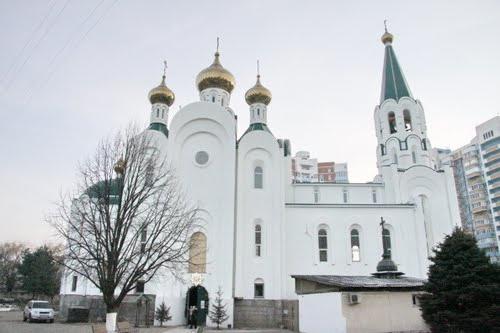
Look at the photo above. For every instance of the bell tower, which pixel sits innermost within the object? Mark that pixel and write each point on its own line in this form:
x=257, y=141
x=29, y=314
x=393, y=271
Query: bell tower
x=399, y=118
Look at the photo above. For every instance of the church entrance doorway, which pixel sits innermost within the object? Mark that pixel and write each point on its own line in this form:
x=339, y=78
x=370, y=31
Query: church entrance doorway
x=197, y=296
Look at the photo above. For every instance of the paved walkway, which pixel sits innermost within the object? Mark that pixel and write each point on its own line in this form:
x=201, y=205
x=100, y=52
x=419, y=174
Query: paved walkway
x=12, y=322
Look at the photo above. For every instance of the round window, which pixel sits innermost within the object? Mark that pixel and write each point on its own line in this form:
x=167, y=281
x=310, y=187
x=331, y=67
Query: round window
x=201, y=157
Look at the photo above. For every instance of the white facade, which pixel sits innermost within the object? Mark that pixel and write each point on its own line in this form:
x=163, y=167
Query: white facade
x=243, y=185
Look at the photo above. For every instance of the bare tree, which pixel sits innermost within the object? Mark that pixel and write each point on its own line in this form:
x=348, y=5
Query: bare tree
x=10, y=259
x=129, y=221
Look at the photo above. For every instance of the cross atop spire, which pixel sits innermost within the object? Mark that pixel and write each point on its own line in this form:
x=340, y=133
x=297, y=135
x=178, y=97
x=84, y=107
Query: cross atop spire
x=217, y=50
x=385, y=25
x=164, y=68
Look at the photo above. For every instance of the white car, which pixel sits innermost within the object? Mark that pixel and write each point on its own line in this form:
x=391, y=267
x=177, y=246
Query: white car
x=38, y=310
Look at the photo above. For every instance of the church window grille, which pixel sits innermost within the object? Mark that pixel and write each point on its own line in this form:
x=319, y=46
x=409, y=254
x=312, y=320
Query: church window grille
x=316, y=193
x=345, y=195
x=197, y=253
x=407, y=120
x=258, y=240
x=355, y=251
x=258, y=178
x=392, y=122
x=323, y=245
x=258, y=288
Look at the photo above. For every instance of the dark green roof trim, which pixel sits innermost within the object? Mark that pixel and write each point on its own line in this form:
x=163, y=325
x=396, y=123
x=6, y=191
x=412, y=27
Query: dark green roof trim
x=394, y=84
x=105, y=188
x=159, y=127
x=257, y=127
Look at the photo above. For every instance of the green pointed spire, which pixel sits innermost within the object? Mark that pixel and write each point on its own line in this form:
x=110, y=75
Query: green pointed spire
x=393, y=81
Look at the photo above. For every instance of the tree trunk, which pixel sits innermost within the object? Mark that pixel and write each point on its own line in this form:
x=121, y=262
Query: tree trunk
x=111, y=316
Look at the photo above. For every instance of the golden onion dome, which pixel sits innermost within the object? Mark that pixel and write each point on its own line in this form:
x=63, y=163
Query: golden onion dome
x=258, y=94
x=162, y=94
x=387, y=37
x=215, y=76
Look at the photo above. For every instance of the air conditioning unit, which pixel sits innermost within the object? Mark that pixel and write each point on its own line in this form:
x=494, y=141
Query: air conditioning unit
x=354, y=298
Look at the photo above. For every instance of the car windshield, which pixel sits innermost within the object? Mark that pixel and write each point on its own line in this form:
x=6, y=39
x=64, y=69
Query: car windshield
x=41, y=305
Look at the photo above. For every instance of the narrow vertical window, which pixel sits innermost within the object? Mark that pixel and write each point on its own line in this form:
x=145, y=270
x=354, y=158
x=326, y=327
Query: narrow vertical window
x=355, y=251
x=391, y=117
x=74, y=283
x=258, y=177
x=395, y=157
x=157, y=113
x=407, y=120
x=413, y=157
x=144, y=237
x=374, y=196
x=222, y=101
x=316, y=194
x=258, y=288
x=258, y=240
x=386, y=241
x=345, y=195
x=323, y=245
x=213, y=99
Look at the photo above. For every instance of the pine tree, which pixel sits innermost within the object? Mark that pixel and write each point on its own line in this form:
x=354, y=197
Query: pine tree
x=40, y=272
x=463, y=289
x=218, y=313
x=163, y=313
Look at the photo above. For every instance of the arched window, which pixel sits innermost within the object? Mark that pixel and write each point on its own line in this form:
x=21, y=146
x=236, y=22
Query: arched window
x=323, y=245
x=386, y=241
x=258, y=240
x=355, y=251
x=258, y=175
x=198, y=253
x=157, y=113
x=391, y=117
x=258, y=288
x=407, y=120
x=213, y=99
x=162, y=113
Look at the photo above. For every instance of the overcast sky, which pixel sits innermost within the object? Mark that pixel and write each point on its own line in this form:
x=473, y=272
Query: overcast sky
x=73, y=71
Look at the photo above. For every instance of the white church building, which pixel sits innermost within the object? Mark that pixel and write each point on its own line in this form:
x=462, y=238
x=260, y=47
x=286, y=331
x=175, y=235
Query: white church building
x=259, y=227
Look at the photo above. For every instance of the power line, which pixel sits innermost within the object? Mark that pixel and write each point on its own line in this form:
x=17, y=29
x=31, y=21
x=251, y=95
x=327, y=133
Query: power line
x=30, y=39
x=68, y=42
x=47, y=30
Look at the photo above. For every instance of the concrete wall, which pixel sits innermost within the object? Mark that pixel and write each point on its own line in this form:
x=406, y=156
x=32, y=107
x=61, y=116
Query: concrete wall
x=321, y=313
x=382, y=312
x=263, y=313
x=97, y=309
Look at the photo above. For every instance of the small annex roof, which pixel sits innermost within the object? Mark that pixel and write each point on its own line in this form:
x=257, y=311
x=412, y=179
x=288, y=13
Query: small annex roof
x=394, y=85
x=329, y=283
